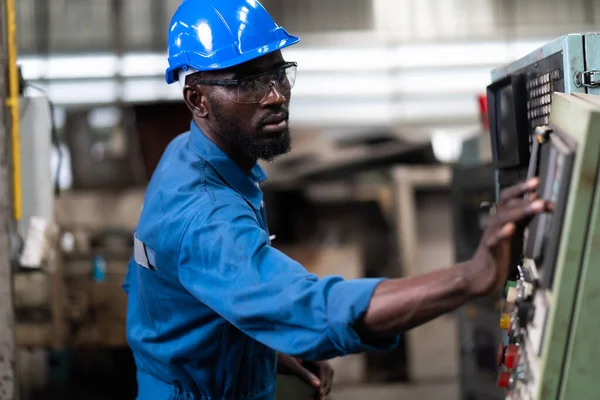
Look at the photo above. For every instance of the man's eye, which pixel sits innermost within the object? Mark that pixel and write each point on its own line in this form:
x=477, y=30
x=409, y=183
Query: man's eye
x=252, y=85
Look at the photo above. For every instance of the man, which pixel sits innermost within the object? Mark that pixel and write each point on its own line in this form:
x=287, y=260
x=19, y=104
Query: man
x=212, y=306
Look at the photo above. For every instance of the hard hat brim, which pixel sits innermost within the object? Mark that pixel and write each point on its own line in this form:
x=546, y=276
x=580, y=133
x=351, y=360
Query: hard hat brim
x=198, y=62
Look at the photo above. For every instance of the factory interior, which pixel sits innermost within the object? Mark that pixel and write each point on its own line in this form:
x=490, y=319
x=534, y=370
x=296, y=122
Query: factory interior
x=403, y=136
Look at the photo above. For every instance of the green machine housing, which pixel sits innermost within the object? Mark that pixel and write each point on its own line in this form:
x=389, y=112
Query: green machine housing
x=545, y=122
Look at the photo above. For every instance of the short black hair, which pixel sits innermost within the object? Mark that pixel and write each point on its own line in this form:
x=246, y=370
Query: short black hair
x=191, y=78
x=213, y=74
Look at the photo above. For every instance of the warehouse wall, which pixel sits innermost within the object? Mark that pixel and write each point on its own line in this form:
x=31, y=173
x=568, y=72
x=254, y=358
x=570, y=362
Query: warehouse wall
x=407, y=20
x=365, y=65
x=85, y=25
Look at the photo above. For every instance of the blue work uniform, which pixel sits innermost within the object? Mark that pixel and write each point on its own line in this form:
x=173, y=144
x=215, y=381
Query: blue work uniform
x=210, y=301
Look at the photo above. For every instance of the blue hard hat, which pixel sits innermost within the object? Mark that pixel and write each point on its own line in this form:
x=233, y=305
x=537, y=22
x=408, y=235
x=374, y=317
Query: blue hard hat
x=210, y=35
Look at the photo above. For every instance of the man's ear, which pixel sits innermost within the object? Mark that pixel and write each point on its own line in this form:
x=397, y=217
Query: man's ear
x=195, y=99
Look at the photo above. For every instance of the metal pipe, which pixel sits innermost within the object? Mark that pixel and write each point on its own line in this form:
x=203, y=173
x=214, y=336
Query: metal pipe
x=7, y=318
x=13, y=103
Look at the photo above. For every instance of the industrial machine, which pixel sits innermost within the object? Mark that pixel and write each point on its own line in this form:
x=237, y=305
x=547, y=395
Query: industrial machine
x=520, y=97
x=550, y=310
x=545, y=122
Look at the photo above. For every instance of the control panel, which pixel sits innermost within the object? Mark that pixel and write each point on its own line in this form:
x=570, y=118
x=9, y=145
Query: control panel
x=543, y=112
x=526, y=299
x=540, y=310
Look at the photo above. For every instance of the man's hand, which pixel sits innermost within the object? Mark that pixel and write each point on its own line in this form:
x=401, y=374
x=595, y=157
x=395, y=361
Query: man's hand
x=488, y=270
x=401, y=304
x=317, y=374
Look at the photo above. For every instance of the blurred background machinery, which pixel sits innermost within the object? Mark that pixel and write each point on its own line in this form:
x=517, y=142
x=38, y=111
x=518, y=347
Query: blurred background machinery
x=473, y=193
x=391, y=164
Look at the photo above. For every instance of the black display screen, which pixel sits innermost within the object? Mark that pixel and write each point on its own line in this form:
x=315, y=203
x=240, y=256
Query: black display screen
x=507, y=141
x=507, y=102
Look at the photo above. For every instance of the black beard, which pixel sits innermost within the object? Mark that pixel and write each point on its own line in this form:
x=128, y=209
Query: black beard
x=266, y=149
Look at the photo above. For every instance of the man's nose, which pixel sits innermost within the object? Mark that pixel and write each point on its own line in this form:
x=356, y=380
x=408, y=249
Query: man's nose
x=273, y=96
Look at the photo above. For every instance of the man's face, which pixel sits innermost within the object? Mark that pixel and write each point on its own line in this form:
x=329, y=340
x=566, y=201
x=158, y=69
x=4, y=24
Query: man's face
x=259, y=129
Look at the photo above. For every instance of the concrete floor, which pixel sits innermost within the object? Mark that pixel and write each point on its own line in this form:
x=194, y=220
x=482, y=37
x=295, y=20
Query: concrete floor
x=398, y=392
x=291, y=389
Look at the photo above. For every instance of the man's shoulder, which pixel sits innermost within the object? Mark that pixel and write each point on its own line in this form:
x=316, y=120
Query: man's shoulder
x=175, y=145
x=224, y=206
x=180, y=195
x=183, y=187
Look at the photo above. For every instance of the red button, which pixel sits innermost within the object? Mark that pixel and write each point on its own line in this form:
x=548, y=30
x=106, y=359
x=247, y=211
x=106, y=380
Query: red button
x=500, y=354
x=504, y=380
x=511, y=356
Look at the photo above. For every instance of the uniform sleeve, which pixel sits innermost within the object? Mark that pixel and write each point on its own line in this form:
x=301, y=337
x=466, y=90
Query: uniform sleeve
x=227, y=263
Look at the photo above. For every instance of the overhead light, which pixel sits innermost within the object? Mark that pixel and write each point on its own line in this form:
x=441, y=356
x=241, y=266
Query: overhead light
x=447, y=147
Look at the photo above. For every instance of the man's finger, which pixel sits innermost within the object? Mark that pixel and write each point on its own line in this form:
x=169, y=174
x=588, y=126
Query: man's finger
x=518, y=190
x=328, y=372
x=296, y=368
x=517, y=201
x=308, y=377
x=504, y=233
x=513, y=210
x=520, y=210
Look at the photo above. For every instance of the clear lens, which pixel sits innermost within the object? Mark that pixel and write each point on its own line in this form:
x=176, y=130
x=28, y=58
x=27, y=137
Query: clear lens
x=253, y=90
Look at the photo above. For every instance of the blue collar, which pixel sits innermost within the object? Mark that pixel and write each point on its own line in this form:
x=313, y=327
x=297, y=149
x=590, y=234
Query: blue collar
x=246, y=185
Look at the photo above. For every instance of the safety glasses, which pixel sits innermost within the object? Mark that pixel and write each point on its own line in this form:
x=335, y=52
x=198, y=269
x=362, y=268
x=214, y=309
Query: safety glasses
x=253, y=89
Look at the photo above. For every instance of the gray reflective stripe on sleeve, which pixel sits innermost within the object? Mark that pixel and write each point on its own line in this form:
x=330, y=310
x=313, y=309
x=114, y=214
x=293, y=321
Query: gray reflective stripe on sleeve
x=143, y=255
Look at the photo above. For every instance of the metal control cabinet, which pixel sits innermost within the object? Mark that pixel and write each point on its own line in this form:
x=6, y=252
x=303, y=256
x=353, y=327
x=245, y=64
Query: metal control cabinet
x=552, y=325
x=549, y=317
